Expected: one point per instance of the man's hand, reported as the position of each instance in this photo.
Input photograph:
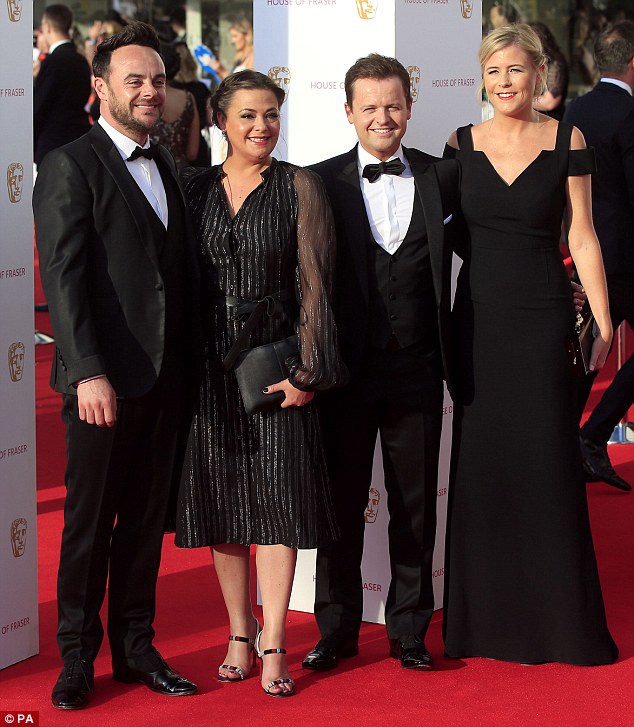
(294, 397)
(97, 402)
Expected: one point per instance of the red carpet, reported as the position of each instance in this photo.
(367, 690)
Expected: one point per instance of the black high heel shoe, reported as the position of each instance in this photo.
(276, 682)
(236, 669)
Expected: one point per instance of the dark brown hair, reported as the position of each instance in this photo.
(246, 80)
(60, 17)
(377, 67)
(136, 33)
(171, 59)
(614, 48)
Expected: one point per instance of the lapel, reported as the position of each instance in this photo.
(134, 199)
(354, 216)
(429, 195)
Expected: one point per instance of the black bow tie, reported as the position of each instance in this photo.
(150, 153)
(373, 171)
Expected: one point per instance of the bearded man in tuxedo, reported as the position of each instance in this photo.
(119, 272)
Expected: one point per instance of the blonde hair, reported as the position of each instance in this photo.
(243, 25)
(523, 37)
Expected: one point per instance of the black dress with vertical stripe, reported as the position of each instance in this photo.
(261, 479)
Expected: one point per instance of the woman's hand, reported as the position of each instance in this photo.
(294, 397)
(579, 296)
(600, 350)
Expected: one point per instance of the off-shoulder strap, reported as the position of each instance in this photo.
(465, 139)
(576, 162)
(582, 161)
(562, 148)
(564, 132)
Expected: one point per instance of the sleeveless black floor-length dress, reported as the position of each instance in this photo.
(261, 479)
(521, 576)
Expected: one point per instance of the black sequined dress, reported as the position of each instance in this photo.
(175, 134)
(261, 479)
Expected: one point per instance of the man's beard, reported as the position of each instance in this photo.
(123, 115)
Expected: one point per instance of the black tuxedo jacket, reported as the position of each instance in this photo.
(60, 93)
(437, 185)
(605, 116)
(99, 267)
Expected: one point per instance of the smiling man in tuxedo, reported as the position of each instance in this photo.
(394, 212)
(119, 273)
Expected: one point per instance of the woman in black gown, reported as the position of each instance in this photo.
(521, 575)
(263, 227)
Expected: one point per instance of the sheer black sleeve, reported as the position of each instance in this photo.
(318, 365)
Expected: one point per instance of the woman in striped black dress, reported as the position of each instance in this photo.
(263, 227)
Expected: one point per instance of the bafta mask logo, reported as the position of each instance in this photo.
(466, 8)
(15, 180)
(367, 9)
(16, 360)
(281, 76)
(14, 8)
(372, 510)
(18, 536)
(414, 81)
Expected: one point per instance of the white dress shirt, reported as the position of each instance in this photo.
(144, 171)
(389, 201)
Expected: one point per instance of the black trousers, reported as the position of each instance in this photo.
(399, 396)
(118, 482)
(618, 397)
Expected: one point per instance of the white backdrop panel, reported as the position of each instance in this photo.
(18, 541)
(307, 46)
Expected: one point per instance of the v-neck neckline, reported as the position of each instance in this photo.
(526, 168)
(508, 185)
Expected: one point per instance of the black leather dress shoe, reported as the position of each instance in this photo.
(326, 655)
(597, 465)
(75, 683)
(155, 673)
(412, 655)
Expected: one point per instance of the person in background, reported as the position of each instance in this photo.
(553, 101)
(187, 79)
(40, 50)
(241, 34)
(504, 12)
(178, 21)
(179, 127)
(103, 26)
(61, 88)
(605, 116)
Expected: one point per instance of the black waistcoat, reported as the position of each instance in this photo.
(401, 291)
(170, 249)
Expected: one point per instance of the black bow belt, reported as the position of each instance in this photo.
(270, 305)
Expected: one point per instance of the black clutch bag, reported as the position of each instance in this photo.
(580, 343)
(259, 367)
